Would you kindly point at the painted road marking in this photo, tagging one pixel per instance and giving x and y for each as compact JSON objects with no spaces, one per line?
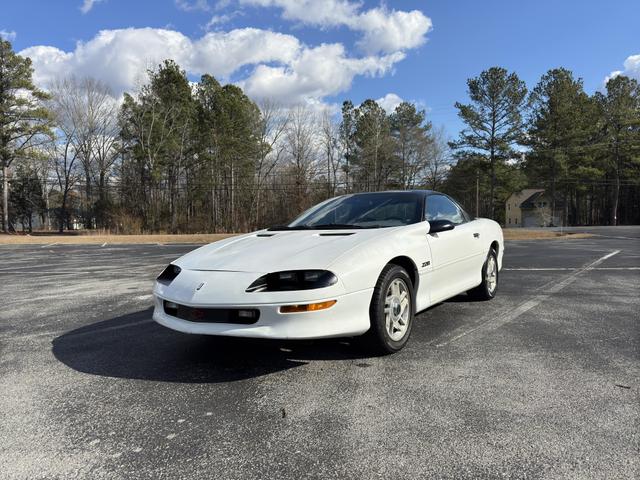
{"x":554,"y":269}
{"x":616,"y":237}
{"x":491,"y":321}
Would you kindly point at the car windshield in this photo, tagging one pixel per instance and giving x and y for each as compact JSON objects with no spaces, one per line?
{"x":364,"y":210}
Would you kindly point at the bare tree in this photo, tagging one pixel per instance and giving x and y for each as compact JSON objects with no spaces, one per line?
{"x":24,"y":121}
{"x":301,"y":147}
{"x":438,"y":159}
{"x":40,"y":161}
{"x":92,"y":110}
{"x":64,"y":156}
{"x":329,"y":139}
{"x":273,"y":125}
{"x":100,"y":135}
{"x":86,"y":142}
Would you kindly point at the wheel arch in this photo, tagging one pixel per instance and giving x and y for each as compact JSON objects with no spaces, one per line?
{"x":412,"y":270}
{"x":498,"y":247}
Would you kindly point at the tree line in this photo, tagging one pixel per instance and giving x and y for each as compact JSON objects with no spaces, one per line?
{"x":181,"y":156}
{"x":583,"y":149}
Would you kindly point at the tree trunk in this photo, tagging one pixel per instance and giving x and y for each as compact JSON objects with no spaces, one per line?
{"x":88,"y":220}
{"x":47,"y":220}
{"x":233,"y":225}
{"x":63,"y":213}
{"x":172,"y":204}
{"x":616,"y":191}
{"x":493,"y":185}
{"x":553,"y":191}
{"x":5,"y":198}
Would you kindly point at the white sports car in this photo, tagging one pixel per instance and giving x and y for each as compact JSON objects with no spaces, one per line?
{"x":356,"y":264}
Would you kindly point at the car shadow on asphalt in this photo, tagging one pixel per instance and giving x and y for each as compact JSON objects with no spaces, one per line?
{"x":133,"y":346}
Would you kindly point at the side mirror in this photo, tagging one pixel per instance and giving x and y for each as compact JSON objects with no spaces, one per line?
{"x":441,"y":226}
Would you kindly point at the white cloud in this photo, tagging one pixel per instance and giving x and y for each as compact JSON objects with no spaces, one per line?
{"x":117,"y":57}
{"x":217,"y":20}
{"x":193,"y":5}
{"x":281,"y":67}
{"x":48,"y":63}
{"x":222,"y":53}
{"x":316,"y":73}
{"x":389,"y":102}
{"x":631,"y":69}
{"x":382,"y":30}
{"x":87,"y":5}
{"x":388,"y":31}
{"x":8,"y":35}
{"x":323,"y":13}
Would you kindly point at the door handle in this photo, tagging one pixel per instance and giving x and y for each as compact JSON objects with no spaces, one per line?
{"x":476,"y":235}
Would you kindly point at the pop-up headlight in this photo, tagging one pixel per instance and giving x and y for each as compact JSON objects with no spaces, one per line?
{"x":168,"y":274}
{"x":293,"y":280}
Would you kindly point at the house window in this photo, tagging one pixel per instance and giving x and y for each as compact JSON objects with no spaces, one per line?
{"x":509,"y":220}
{"x":509,"y":207}
{"x":516,"y":220}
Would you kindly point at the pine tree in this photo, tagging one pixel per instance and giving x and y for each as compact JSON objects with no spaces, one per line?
{"x":493,"y":121}
{"x":412,"y":135}
{"x":373,"y":164}
{"x":620,"y":127}
{"x":26,"y":196}
{"x":561,"y":129}
{"x":23,"y":118}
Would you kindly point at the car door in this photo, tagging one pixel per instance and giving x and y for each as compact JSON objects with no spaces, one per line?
{"x":454,"y":253}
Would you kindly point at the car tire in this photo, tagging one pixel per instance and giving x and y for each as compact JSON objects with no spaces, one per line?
{"x":489,"y":286}
{"x":391,"y":311}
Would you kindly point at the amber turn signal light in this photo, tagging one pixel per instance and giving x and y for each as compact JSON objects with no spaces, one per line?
{"x":311,"y":307}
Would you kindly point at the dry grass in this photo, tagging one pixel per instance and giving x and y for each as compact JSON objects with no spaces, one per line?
{"x":523,"y":234}
{"x":71,"y":238}
{"x":65,"y":239}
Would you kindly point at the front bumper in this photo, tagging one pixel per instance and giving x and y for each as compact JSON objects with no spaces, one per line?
{"x":348,"y":317}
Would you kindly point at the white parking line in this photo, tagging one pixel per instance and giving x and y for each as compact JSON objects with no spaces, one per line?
{"x":554,"y":269}
{"x":616,"y":237}
{"x":491,"y":321}
{"x":49,"y":245}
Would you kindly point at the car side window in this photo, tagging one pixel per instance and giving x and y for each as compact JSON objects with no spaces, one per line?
{"x":440,"y":207}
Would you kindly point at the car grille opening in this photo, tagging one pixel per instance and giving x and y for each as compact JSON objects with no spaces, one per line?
{"x":242,"y":316}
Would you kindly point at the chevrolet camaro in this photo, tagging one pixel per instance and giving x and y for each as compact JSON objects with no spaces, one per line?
{"x":355,"y":265}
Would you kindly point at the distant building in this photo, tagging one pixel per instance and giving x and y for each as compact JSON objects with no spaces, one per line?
{"x":531,"y":207}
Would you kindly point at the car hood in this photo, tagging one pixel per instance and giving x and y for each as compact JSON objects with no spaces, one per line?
{"x":267,"y":251}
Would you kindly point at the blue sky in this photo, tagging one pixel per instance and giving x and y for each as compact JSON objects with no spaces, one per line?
{"x":323,"y":52}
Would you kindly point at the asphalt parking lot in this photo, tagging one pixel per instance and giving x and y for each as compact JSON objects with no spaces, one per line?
{"x":541,"y":382}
